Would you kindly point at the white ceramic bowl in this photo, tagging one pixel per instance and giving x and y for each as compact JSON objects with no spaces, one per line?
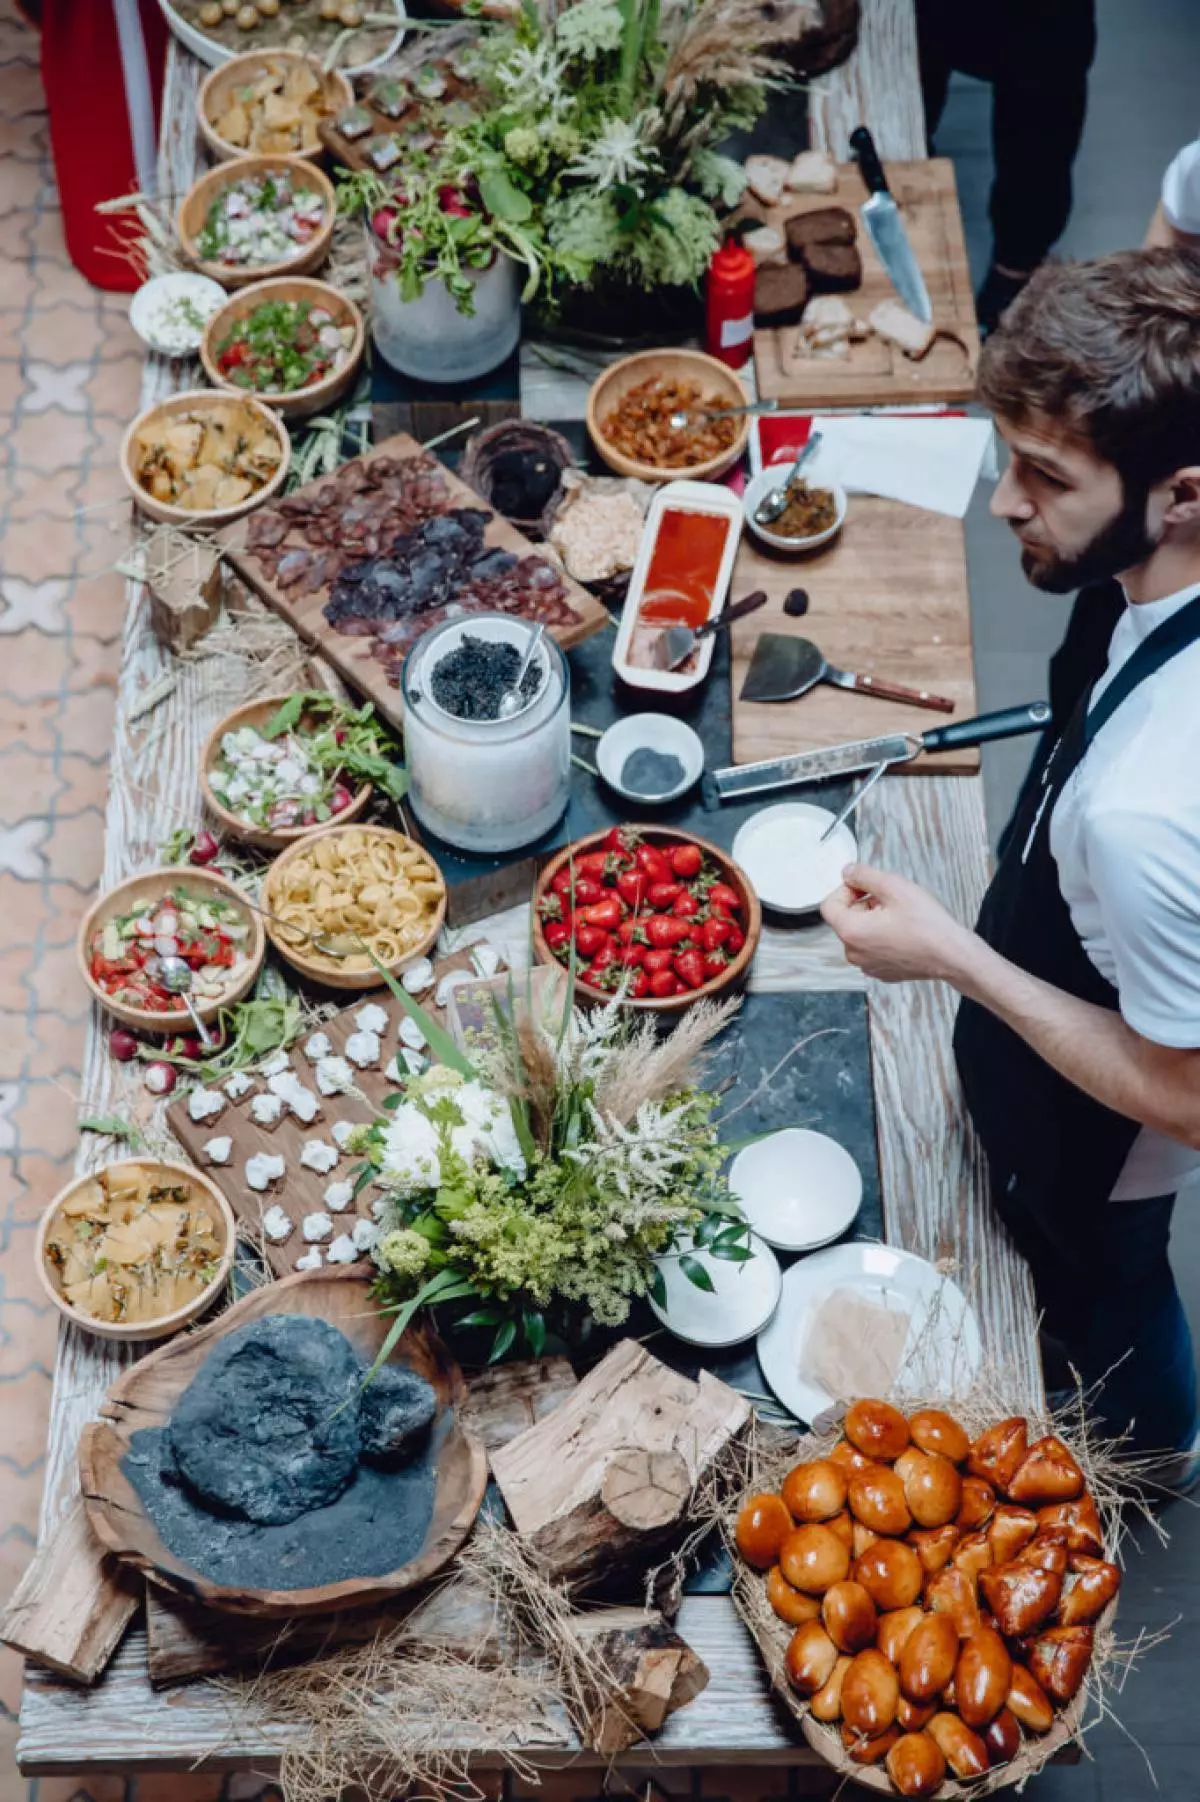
{"x":798,"y":1188}
{"x":660,"y":732}
{"x":780,"y":850}
{"x":742,"y":1301}
{"x":772,"y":477}
{"x":205,"y":294}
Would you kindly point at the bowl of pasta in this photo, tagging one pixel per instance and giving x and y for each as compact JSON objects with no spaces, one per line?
{"x":348,"y":900}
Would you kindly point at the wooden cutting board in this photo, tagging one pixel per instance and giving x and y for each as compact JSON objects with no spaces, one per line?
{"x":875,"y":372}
{"x":887,"y":598}
{"x":351,"y":657}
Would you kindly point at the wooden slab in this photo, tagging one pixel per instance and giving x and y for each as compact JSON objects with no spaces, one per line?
{"x":302,"y":1191}
{"x":73,"y":1603}
{"x":875,"y":372}
{"x":888,"y":598}
{"x":351,"y":657}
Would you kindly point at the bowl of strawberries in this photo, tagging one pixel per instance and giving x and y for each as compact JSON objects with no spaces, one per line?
{"x":656,"y":915}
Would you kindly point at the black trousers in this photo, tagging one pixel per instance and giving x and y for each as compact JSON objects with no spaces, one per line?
{"x":1036,"y":54}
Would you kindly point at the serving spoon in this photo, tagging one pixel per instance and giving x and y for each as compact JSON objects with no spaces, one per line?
{"x":775,"y":501}
{"x":175,"y":975}
{"x":512,"y":700}
{"x":680,"y":420}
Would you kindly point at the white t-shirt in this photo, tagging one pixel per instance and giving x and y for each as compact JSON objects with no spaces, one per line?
{"x":1181,"y":190}
{"x":1125,"y":834}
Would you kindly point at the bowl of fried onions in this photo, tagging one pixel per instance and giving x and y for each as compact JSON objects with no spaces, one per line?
{"x":630,"y":408}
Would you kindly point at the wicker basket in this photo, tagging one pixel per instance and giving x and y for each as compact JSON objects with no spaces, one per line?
{"x":481,"y":451}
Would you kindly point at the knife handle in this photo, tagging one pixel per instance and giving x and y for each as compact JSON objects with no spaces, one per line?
{"x":1009,"y":722}
{"x":863,"y":146}
{"x":896,"y":691}
{"x":736,"y":610}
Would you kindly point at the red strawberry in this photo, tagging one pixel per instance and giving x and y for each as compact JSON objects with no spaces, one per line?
{"x":716,"y":932}
{"x":664,"y":929}
{"x":589,"y":939}
{"x":715,"y":965}
{"x":686,"y":906}
{"x":607,"y":913}
{"x":689,"y":967}
{"x":653,"y":863}
{"x":686,"y":860}
{"x":558,"y":934}
{"x":664,"y":983}
{"x":658,"y":960}
{"x":721,"y":895}
{"x":662,"y":895}
{"x":631,"y":886}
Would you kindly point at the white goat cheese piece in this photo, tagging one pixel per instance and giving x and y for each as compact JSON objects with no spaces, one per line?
{"x":239,"y":1084}
{"x":277,"y":1225}
{"x":319,"y":1155}
{"x":338,"y":1196}
{"x":266,"y":1109}
{"x":334,"y":1076}
{"x":341,"y":1130}
{"x":365,"y":1235}
{"x":312,"y":1260}
{"x":263,"y":1170}
{"x":372,"y":1018}
{"x":343,"y":1250}
{"x":217,"y":1150}
{"x":295,"y":1097}
{"x":317,"y":1047}
{"x":418,"y":976}
{"x":273,"y":1065}
{"x":316,"y":1228}
{"x":205,"y":1104}
{"x":411,"y":1034}
{"x":363,"y":1049}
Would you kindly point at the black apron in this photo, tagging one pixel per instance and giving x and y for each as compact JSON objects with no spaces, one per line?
{"x":1044,"y":1136}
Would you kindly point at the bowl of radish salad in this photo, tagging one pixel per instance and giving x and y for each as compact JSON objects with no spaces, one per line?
{"x":287,"y":765}
{"x":184,"y":912}
{"x":257,"y":217}
{"x":293,"y":342}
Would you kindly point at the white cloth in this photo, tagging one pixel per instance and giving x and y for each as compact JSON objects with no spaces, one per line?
{"x":1125,"y":834}
{"x":1181,"y":190}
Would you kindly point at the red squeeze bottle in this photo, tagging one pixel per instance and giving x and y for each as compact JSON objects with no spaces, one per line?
{"x":730,"y":304}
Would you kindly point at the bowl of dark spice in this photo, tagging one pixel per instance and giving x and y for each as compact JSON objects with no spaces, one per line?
{"x":472,"y":680}
{"x":517,"y":467}
{"x":815,"y":512}
{"x":652,"y":758}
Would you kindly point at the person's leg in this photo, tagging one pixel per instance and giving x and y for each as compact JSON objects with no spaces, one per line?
{"x":935,"y":61}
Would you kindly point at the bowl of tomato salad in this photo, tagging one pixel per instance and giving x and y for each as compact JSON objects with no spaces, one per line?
{"x":295,"y":343}
{"x":187,"y":912}
{"x":661,"y":917}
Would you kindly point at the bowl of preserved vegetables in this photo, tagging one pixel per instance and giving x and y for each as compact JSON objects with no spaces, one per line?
{"x":257,"y":217}
{"x":295,"y":343}
{"x":283,"y":766}
{"x":185,"y":912}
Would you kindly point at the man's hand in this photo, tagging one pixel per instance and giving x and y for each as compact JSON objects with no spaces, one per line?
{"x":895,"y":931}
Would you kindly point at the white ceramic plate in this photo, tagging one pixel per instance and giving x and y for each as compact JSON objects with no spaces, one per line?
{"x":212,"y":53}
{"x":780,"y":850}
{"x":164,"y":291}
{"x":942,"y":1352}
{"x":660,"y":732}
{"x":743,"y":1299}
{"x":798,"y":1189}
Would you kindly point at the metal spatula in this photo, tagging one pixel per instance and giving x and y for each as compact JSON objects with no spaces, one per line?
{"x":783,"y":668}
{"x":676,"y":644}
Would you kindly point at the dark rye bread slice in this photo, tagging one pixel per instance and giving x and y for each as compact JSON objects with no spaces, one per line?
{"x":780,"y":292}
{"x":819,"y":225}
{"x":832,"y":268}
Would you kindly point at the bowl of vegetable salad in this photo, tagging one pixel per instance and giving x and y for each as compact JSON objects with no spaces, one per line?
{"x":257,"y":217}
{"x":284,"y":766}
{"x":185,"y":912}
{"x":295,"y":343}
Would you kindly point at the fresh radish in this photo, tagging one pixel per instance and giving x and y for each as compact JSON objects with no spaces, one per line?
{"x":205,"y":849}
{"x":383,"y":223}
{"x":160,"y":1078}
{"x":123,"y":1045}
{"x":451,"y":201}
{"x":340,"y":799}
{"x":339,"y":735}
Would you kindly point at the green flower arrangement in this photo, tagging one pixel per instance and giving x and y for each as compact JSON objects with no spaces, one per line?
{"x":540,"y":1182}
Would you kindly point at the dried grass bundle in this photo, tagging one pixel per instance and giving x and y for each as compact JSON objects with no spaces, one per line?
{"x":653,"y":1066}
{"x":719,"y":44}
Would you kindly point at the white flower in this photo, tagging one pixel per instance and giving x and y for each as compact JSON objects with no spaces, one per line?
{"x":487,"y":1129}
{"x":620,"y":152}
{"x":411,"y":1147}
{"x":534,"y":77}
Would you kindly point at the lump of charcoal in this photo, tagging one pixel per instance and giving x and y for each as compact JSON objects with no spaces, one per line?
{"x":522,"y":482}
{"x":397,"y":1407}
{"x":268,"y":1428}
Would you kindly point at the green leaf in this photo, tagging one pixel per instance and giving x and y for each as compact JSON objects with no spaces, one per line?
{"x":286,"y":716}
{"x":503,"y":1341}
{"x":708,"y":1229}
{"x":732,"y":1254}
{"x":113,"y":1127}
{"x":658,"y":1287}
{"x":425,"y":1296}
{"x":481,"y":1317}
{"x":696,"y":1274}
{"x":440,"y":1042}
{"x":393,"y":1100}
{"x":535,"y":1331}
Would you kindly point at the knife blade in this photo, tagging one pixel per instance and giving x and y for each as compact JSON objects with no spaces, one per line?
{"x":885,"y":227}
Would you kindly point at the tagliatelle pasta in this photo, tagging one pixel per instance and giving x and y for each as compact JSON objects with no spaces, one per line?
{"x":358,"y":890}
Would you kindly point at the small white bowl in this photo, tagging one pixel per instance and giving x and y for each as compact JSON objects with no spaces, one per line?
{"x":780,"y":850}
{"x":742,"y":1301}
{"x":206,"y":295}
{"x":798,"y":1189}
{"x":660,"y":732}
{"x":772,"y":477}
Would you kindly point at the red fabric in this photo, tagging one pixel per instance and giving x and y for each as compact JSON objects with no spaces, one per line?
{"x":89,"y":126}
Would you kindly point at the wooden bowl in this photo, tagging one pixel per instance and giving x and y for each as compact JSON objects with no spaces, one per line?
{"x":717,"y":383}
{"x":303,"y":401}
{"x":145,"y":1395}
{"x":257,"y":713}
{"x":148,"y":887}
{"x":196,"y":400}
{"x":323,"y":973}
{"x":218,"y":89}
{"x":194,"y":207}
{"x":169,"y":1323}
{"x":732,"y":873}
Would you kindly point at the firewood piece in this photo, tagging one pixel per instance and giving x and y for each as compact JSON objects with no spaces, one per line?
{"x":658,"y":1671}
{"x":645,"y":1490}
{"x":73,"y":1604}
{"x":552,"y":1477}
{"x":185,"y":578}
{"x":504,"y":1401}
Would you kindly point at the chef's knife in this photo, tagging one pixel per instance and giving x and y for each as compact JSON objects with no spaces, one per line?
{"x":881,"y":216}
{"x":740,"y":780}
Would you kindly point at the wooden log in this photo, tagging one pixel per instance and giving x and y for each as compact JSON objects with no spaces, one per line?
{"x":504,"y":1402}
{"x":596,"y":1488}
{"x":73,"y":1603}
{"x":658,"y":1671}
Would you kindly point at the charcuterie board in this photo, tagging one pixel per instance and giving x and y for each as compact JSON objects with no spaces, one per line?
{"x":294,"y":554}
{"x":875,"y":372}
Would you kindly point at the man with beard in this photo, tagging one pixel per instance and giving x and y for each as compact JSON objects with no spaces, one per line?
{"x":1078,"y":1035}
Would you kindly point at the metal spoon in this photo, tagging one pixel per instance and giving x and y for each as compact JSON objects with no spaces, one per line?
{"x":512,"y":700}
{"x":775,"y":500}
{"x":176,"y":977}
{"x":879,"y":770}
{"x":679,"y":421}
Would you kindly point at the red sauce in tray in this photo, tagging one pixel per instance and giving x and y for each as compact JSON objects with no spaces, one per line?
{"x":684,"y":566}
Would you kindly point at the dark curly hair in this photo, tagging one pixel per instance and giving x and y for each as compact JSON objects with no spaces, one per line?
{"x":1111,"y":350}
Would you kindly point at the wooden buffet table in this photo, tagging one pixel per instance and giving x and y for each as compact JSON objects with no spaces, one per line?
{"x":933,"y":1182}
